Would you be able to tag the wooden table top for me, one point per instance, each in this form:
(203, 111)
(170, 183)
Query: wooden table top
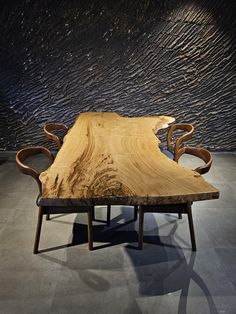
(109, 159)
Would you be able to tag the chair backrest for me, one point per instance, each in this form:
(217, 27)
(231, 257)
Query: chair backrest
(188, 128)
(199, 152)
(50, 127)
(27, 152)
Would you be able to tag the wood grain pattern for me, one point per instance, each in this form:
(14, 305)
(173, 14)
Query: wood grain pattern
(109, 159)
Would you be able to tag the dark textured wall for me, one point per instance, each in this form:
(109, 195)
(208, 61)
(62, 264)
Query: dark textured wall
(173, 57)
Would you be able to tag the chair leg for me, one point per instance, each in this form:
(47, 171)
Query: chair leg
(48, 217)
(90, 229)
(191, 228)
(38, 231)
(140, 231)
(135, 212)
(108, 214)
(180, 215)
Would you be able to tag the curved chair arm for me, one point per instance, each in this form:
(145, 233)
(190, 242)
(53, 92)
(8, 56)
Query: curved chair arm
(199, 152)
(49, 127)
(189, 128)
(24, 153)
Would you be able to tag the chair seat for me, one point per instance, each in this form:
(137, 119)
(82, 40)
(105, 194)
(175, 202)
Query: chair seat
(167, 153)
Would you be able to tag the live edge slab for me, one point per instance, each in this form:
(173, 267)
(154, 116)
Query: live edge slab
(110, 159)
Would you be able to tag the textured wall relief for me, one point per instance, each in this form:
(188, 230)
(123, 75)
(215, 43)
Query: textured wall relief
(173, 57)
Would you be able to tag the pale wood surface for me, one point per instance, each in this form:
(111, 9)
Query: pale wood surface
(109, 159)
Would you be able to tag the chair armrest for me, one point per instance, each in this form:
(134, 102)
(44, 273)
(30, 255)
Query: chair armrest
(27, 152)
(49, 127)
(189, 128)
(199, 152)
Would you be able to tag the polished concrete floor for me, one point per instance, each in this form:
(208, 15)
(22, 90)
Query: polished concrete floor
(166, 277)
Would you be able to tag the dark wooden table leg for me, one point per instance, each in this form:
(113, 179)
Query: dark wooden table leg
(135, 212)
(140, 231)
(93, 213)
(48, 217)
(38, 231)
(180, 215)
(108, 214)
(90, 229)
(191, 228)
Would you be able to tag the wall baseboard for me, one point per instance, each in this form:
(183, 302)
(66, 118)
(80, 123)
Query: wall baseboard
(7, 154)
(11, 154)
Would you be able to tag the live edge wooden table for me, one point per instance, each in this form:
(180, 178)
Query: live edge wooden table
(107, 159)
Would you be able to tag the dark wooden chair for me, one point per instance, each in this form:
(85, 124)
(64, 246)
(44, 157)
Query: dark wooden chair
(173, 147)
(49, 129)
(181, 208)
(21, 156)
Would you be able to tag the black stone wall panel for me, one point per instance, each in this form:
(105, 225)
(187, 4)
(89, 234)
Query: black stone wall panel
(60, 58)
